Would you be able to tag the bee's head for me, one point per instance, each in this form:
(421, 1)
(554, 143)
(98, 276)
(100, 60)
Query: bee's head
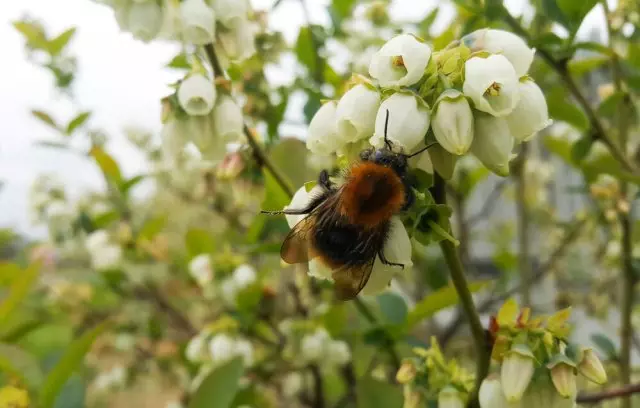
(386, 157)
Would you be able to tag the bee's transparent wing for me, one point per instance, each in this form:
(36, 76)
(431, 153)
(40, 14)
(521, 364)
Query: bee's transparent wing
(350, 279)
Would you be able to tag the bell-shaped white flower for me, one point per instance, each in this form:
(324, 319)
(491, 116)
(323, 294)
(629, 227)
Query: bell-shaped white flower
(314, 346)
(221, 347)
(322, 138)
(172, 20)
(196, 348)
(356, 113)
(449, 397)
(145, 20)
(516, 372)
(228, 122)
(338, 353)
(230, 12)
(175, 135)
(244, 275)
(531, 115)
(400, 62)
(408, 123)
(444, 163)
(453, 122)
(201, 270)
(422, 162)
(591, 367)
(492, 143)
(563, 376)
(237, 42)
(502, 42)
(198, 22)
(197, 95)
(492, 84)
(212, 148)
(491, 394)
(300, 200)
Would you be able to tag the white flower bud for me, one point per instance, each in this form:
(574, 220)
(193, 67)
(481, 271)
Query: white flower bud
(400, 62)
(408, 122)
(492, 84)
(221, 348)
(201, 270)
(531, 114)
(197, 95)
(356, 113)
(96, 240)
(322, 137)
(229, 12)
(107, 257)
(228, 122)
(244, 275)
(492, 143)
(145, 20)
(422, 162)
(212, 148)
(444, 163)
(238, 41)
(58, 212)
(175, 135)
(453, 122)
(591, 367)
(564, 379)
(172, 22)
(491, 394)
(516, 372)
(313, 346)
(196, 348)
(198, 22)
(449, 397)
(502, 42)
(338, 353)
(292, 384)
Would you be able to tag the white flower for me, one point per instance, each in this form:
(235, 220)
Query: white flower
(172, 22)
(356, 113)
(201, 270)
(244, 275)
(492, 143)
(408, 121)
(422, 162)
(238, 41)
(400, 62)
(97, 240)
(107, 257)
(221, 348)
(228, 122)
(453, 122)
(338, 353)
(322, 138)
(145, 20)
(314, 346)
(58, 209)
(591, 367)
(300, 200)
(492, 84)
(229, 290)
(449, 397)
(531, 115)
(444, 163)
(244, 349)
(491, 394)
(212, 148)
(563, 376)
(175, 135)
(198, 22)
(516, 372)
(196, 348)
(502, 42)
(292, 384)
(229, 12)
(197, 94)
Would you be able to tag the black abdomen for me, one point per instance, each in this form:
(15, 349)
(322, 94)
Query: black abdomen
(349, 244)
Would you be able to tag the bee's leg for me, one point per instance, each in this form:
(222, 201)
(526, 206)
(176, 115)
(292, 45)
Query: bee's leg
(297, 211)
(385, 261)
(324, 181)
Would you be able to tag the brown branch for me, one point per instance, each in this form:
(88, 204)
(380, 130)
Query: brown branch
(597, 397)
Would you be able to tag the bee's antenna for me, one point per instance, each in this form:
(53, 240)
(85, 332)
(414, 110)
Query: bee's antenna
(422, 150)
(386, 126)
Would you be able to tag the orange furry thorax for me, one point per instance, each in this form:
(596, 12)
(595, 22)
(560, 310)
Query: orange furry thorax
(371, 194)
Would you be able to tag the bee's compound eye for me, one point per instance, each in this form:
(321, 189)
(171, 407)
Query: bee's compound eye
(379, 156)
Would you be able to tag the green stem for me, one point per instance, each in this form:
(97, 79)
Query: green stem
(260, 156)
(452, 258)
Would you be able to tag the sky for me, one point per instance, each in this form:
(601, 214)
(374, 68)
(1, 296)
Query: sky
(121, 80)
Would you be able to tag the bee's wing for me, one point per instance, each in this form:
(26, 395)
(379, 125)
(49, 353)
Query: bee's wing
(350, 279)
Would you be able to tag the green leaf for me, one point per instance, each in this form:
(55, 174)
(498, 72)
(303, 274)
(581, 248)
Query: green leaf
(594, 46)
(436, 301)
(19, 363)
(561, 109)
(107, 165)
(579, 67)
(33, 33)
(220, 386)
(609, 106)
(18, 291)
(275, 198)
(305, 49)
(132, 182)
(153, 226)
(104, 219)
(56, 45)
(45, 118)
(342, 8)
(575, 11)
(581, 149)
(78, 121)
(374, 393)
(70, 361)
(393, 307)
(199, 241)
(73, 394)
(605, 345)
(180, 61)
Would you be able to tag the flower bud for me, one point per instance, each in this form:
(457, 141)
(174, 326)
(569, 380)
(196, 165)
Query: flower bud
(516, 372)
(564, 379)
(408, 122)
(406, 373)
(505, 43)
(201, 270)
(491, 394)
(338, 353)
(244, 275)
(322, 137)
(229, 12)
(412, 398)
(449, 397)
(174, 135)
(453, 122)
(400, 62)
(444, 163)
(591, 367)
(228, 123)
(356, 113)
(492, 84)
(238, 41)
(198, 22)
(196, 95)
(196, 348)
(221, 347)
(531, 114)
(492, 143)
(244, 349)
(313, 345)
(145, 20)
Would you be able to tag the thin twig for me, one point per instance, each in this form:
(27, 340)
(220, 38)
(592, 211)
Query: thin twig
(597, 397)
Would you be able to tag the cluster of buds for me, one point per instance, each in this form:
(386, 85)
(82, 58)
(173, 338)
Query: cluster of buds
(429, 379)
(307, 344)
(533, 362)
(105, 254)
(226, 23)
(606, 190)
